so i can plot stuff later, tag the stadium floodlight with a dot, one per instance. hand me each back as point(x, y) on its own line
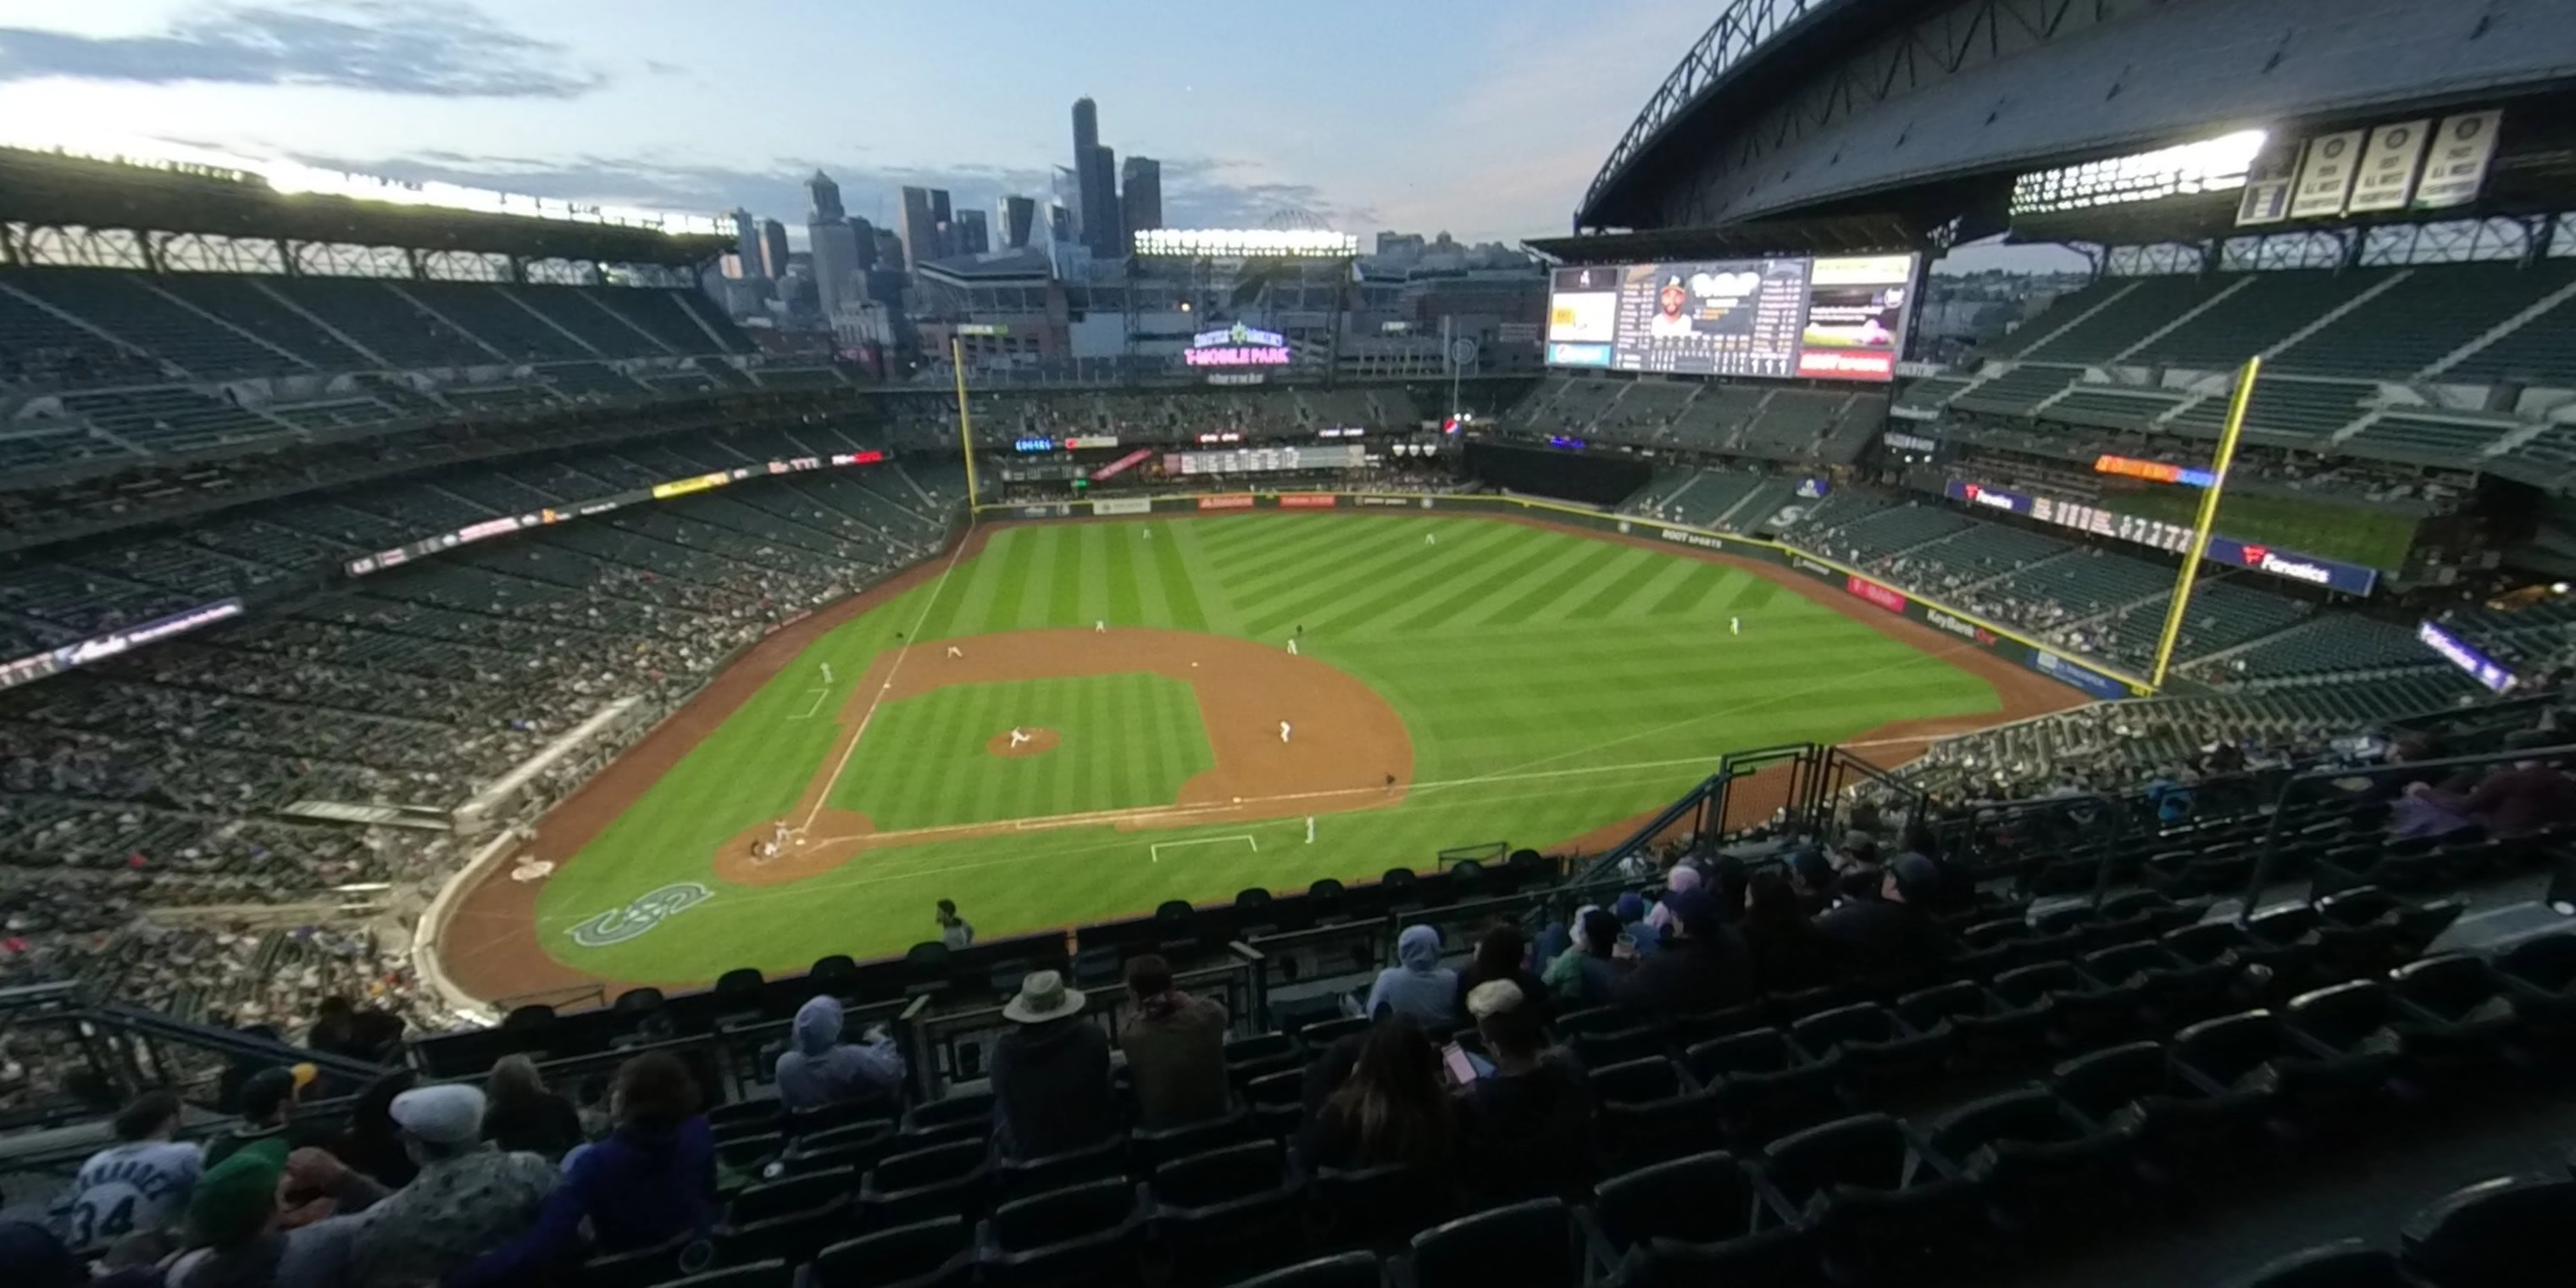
point(2207, 165)
point(1246, 243)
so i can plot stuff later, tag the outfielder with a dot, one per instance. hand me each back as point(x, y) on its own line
point(827, 673)
point(1099, 627)
point(1292, 646)
point(954, 651)
point(1735, 626)
point(1283, 731)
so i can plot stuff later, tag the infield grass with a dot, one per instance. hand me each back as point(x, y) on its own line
point(1551, 684)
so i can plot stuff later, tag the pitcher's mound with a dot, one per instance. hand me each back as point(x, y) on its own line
point(1040, 742)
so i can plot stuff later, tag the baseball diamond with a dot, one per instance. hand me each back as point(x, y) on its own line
point(1510, 681)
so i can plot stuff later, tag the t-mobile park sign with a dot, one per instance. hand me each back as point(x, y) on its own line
point(1238, 346)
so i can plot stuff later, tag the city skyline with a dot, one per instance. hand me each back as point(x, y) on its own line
point(588, 100)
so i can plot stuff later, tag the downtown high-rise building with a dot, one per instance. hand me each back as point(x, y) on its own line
point(973, 233)
point(773, 248)
point(1095, 171)
point(746, 248)
point(865, 234)
point(920, 226)
point(1140, 194)
point(1018, 222)
point(834, 245)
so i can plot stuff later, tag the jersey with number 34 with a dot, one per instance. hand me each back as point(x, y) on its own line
point(126, 1188)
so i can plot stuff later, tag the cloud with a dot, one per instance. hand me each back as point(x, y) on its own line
point(1206, 192)
point(435, 48)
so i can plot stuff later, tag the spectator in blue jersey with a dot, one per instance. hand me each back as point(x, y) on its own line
point(138, 1185)
point(821, 1069)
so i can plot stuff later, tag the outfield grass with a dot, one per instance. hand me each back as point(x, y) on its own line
point(1550, 683)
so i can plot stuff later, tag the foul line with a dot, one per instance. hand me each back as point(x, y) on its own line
point(1158, 847)
point(877, 699)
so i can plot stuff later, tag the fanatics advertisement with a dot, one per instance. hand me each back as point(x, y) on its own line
point(2331, 574)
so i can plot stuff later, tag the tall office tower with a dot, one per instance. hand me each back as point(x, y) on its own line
point(889, 250)
point(836, 262)
point(974, 233)
point(826, 199)
point(1060, 223)
point(773, 248)
point(1019, 220)
point(746, 236)
point(920, 228)
point(940, 213)
point(1102, 228)
point(865, 234)
point(1095, 171)
point(1140, 194)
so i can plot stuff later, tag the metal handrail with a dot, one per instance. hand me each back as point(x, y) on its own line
point(2267, 854)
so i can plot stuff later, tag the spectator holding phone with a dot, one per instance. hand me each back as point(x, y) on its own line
point(1527, 1127)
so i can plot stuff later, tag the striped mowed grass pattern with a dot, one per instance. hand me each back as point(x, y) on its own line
point(1550, 683)
point(1125, 742)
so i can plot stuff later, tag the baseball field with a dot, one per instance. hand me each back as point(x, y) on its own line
point(1071, 722)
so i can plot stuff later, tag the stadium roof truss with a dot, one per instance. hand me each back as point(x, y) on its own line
point(66, 210)
point(1930, 107)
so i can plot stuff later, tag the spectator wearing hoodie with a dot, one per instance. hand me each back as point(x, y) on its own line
point(652, 1180)
point(1051, 1088)
point(1419, 988)
point(1681, 880)
point(820, 1069)
point(1175, 1046)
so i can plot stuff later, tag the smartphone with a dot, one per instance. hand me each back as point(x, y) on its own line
point(1461, 1069)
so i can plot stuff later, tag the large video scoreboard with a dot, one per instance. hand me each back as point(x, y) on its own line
point(1787, 317)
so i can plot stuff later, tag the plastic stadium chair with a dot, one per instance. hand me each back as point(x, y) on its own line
point(1602, 1047)
point(1880, 1204)
point(1259, 1055)
point(640, 1268)
point(1083, 1234)
point(793, 1238)
point(1278, 1103)
point(2037, 1165)
point(1147, 1150)
point(1020, 1178)
point(2310, 1091)
point(2457, 997)
point(1376, 1206)
point(2540, 976)
point(1881, 1058)
point(1320, 1034)
point(2510, 1232)
point(1649, 1112)
point(938, 1253)
point(1529, 1245)
point(792, 1195)
point(2084, 1013)
point(1761, 1087)
point(972, 1107)
point(1226, 1211)
point(1740, 1229)
point(772, 1273)
point(753, 1115)
point(2349, 1264)
point(1349, 1270)
point(813, 1122)
point(2181, 1129)
point(927, 1183)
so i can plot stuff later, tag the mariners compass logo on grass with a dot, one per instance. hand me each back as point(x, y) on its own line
point(647, 910)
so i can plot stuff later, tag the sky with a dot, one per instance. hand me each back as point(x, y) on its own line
point(1486, 119)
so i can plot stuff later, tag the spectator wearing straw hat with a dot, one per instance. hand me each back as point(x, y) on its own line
point(1051, 1073)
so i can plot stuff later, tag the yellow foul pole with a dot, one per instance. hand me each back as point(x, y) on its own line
point(965, 424)
point(2181, 605)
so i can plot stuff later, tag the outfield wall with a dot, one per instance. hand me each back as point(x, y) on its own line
point(2091, 678)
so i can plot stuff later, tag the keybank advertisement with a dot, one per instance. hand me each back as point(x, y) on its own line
point(2332, 574)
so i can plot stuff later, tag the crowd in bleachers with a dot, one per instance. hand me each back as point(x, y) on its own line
point(156, 781)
